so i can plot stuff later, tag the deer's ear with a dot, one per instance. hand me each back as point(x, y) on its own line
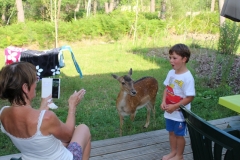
point(130, 72)
point(115, 76)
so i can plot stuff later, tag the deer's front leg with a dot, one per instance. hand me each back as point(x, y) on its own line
point(121, 123)
point(132, 116)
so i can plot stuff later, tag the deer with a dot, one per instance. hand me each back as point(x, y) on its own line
point(134, 95)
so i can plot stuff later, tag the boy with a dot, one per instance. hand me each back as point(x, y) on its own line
point(180, 90)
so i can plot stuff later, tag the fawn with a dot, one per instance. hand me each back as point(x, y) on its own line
point(135, 95)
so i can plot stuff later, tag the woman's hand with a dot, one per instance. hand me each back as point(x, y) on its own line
point(45, 102)
point(75, 99)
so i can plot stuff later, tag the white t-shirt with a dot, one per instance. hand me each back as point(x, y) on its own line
point(179, 86)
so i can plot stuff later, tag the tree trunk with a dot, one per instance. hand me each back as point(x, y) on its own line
point(106, 8)
point(51, 10)
point(95, 7)
point(135, 25)
point(212, 5)
point(89, 8)
point(141, 4)
point(163, 9)
point(4, 14)
point(111, 6)
point(59, 9)
point(3, 17)
point(85, 4)
point(152, 6)
point(20, 11)
point(222, 19)
point(56, 25)
point(76, 10)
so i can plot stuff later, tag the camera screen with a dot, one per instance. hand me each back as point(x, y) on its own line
point(56, 88)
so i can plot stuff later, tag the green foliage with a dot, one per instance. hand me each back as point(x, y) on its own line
point(113, 26)
point(229, 38)
point(25, 33)
point(176, 10)
point(70, 15)
point(150, 16)
point(205, 22)
point(34, 10)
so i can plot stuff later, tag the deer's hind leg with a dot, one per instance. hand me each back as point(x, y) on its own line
point(152, 103)
point(149, 108)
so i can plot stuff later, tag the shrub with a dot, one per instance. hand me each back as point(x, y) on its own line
point(229, 38)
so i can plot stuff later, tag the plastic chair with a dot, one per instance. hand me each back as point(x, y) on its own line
point(208, 141)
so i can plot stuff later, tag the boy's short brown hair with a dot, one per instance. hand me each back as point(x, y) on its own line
point(181, 50)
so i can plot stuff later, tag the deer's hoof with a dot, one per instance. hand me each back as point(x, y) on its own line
point(145, 126)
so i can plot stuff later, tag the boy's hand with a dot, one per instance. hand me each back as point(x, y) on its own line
point(170, 108)
point(163, 106)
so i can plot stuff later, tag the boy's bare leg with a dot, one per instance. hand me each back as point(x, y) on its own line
point(173, 146)
point(180, 148)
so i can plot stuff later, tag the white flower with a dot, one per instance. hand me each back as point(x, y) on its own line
point(56, 70)
point(12, 56)
point(39, 70)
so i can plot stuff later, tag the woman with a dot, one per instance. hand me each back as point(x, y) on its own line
point(39, 134)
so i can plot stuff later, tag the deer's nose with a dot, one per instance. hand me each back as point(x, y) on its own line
point(133, 92)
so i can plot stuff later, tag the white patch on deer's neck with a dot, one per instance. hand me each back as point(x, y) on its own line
point(123, 100)
point(122, 104)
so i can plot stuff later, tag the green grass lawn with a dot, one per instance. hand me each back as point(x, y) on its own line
point(98, 109)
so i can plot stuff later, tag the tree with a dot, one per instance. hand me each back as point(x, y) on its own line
point(106, 7)
point(76, 10)
point(88, 7)
point(212, 5)
point(59, 8)
point(56, 24)
point(95, 7)
point(20, 11)
point(163, 9)
point(222, 19)
point(152, 6)
point(111, 5)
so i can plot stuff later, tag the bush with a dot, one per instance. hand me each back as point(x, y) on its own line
point(112, 26)
point(229, 38)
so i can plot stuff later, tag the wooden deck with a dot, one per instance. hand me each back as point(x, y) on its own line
point(144, 146)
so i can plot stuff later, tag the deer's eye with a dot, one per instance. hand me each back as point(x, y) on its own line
point(123, 83)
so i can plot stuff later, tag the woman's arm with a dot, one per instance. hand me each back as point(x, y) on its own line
point(45, 102)
point(63, 131)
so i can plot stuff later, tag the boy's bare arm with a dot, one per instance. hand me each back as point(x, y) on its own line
point(163, 104)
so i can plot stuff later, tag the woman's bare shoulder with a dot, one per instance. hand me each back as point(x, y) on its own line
point(50, 116)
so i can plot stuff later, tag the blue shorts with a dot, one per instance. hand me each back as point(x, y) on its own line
point(179, 128)
point(76, 150)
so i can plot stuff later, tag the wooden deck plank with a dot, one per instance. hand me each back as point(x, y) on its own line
point(148, 145)
point(124, 139)
point(144, 151)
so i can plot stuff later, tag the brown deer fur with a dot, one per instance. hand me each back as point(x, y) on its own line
point(135, 95)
